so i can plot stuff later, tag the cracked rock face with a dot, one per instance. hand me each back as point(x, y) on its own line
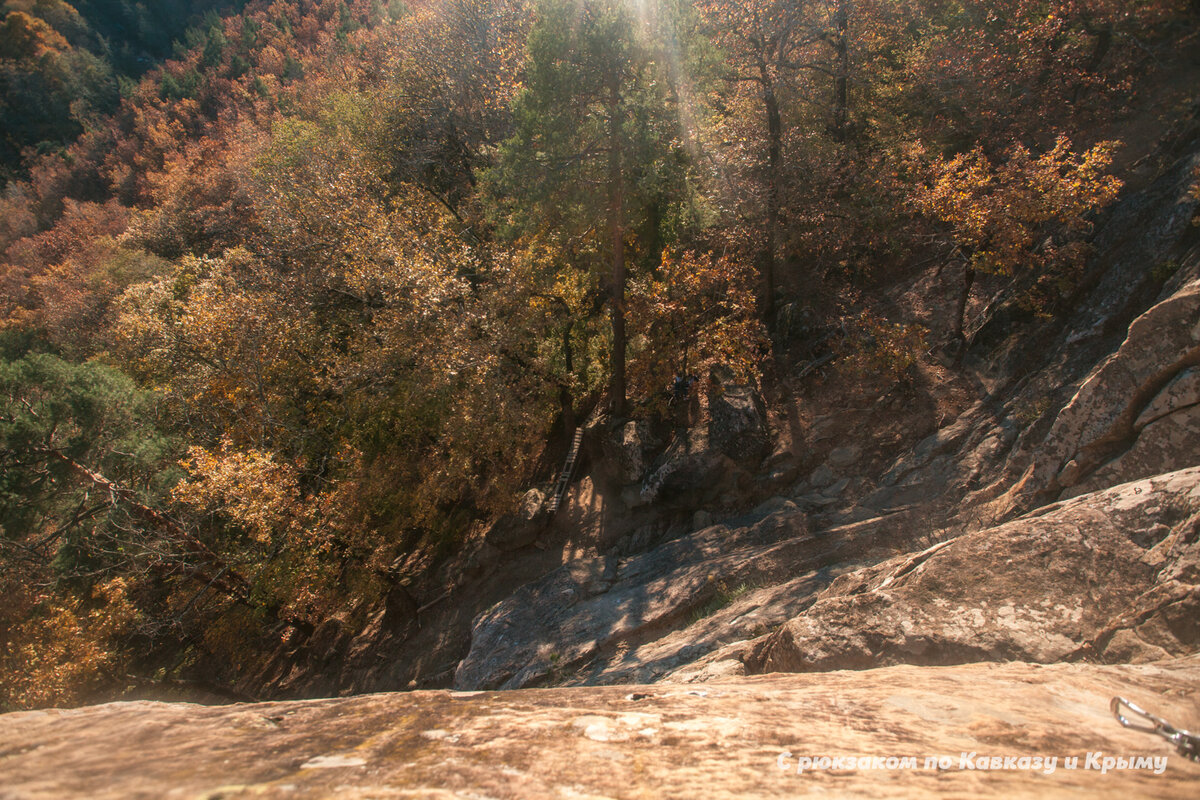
point(1146, 381)
point(1179, 394)
point(1112, 575)
point(583, 611)
point(737, 423)
point(723, 740)
point(1167, 440)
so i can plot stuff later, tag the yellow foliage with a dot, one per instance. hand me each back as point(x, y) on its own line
point(66, 649)
point(255, 493)
point(24, 37)
point(251, 488)
point(697, 312)
point(877, 347)
point(1025, 212)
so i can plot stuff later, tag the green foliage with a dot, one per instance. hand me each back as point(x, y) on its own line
point(589, 61)
point(724, 597)
point(1162, 272)
point(397, 9)
point(293, 70)
point(1029, 410)
point(180, 87)
point(141, 34)
point(50, 89)
point(89, 413)
point(595, 172)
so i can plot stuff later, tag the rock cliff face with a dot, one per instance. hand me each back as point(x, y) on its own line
point(1136, 414)
point(637, 618)
point(993, 521)
point(1110, 574)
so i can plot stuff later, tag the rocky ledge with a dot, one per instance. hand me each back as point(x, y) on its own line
point(723, 740)
point(1112, 576)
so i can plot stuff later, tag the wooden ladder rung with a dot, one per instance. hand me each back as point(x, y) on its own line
point(564, 477)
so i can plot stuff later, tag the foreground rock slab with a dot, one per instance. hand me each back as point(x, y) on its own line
point(722, 740)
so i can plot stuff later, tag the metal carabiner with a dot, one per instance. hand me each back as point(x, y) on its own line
point(1158, 722)
point(1187, 744)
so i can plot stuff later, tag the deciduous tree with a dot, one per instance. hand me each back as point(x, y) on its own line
point(1025, 213)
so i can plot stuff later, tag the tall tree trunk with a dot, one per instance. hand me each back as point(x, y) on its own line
point(1104, 40)
point(1103, 43)
point(960, 315)
point(774, 161)
point(841, 80)
point(616, 231)
point(564, 392)
point(1050, 56)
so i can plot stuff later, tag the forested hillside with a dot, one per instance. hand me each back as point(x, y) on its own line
point(293, 308)
point(65, 67)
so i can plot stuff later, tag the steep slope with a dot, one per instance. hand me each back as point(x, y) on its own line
point(653, 567)
point(1108, 575)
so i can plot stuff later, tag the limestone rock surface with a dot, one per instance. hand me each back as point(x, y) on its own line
point(738, 423)
point(720, 741)
point(1099, 423)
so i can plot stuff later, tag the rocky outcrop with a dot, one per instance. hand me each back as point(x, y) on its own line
point(1133, 416)
point(1136, 243)
point(1134, 385)
point(607, 619)
point(1108, 575)
point(737, 423)
point(628, 448)
point(632, 582)
point(714, 458)
point(1169, 442)
point(1069, 396)
point(1142, 234)
point(943, 466)
point(728, 740)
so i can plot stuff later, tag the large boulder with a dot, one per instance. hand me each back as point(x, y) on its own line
point(630, 448)
point(1108, 575)
point(737, 422)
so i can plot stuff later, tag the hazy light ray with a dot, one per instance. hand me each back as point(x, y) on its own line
point(661, 30)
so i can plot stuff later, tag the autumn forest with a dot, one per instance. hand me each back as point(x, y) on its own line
point(297, 295)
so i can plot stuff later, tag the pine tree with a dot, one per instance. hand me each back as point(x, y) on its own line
point(596, 147)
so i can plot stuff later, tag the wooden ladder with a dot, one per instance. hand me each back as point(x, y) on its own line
point(564, 477)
